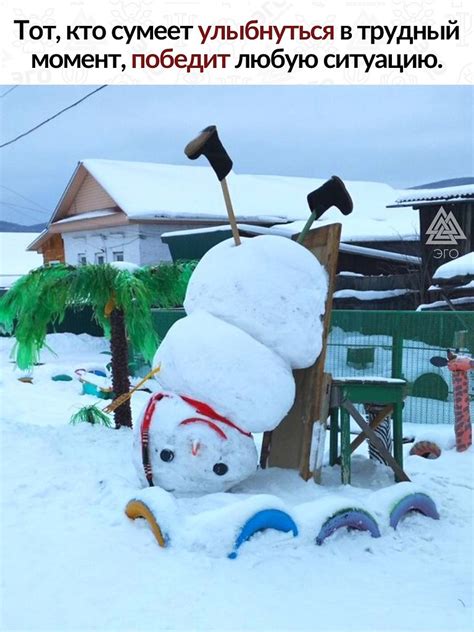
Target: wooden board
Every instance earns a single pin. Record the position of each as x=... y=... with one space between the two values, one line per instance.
x=290 y=444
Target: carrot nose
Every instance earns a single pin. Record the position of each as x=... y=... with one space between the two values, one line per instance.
x=195 y=448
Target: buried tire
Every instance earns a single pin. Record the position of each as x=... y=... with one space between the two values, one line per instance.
x=357 y=519
x=426 y=449
x=262 y=520
x=418 y=502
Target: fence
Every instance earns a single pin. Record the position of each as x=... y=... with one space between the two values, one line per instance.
x=400 y=344
x=372 y=343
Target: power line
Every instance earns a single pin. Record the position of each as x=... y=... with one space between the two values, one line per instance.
x=25 y=214
x=8 y=92
x=22 y=206
x=24 y=197
x=89 y=94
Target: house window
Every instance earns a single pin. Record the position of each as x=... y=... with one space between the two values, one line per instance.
x=118 y=255
x=81 y=259
x=99 y=258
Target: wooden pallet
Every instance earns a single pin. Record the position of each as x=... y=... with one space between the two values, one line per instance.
x=289 y=445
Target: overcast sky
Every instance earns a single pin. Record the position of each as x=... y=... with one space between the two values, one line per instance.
x=401 y=135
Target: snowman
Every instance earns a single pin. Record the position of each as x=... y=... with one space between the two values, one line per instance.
x=254 y=314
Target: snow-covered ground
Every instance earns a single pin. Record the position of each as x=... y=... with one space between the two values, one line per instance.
x=72 y=560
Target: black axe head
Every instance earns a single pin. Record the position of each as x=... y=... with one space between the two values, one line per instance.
x=331 y=193
x=208 y=144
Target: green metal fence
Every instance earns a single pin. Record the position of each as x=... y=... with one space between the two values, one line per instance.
x=400 y=344
x=372 y=343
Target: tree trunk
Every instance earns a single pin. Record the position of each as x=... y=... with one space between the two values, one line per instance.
x=120 y=379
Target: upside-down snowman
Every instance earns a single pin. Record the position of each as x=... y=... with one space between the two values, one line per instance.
x=253 y=315
x=254 y=309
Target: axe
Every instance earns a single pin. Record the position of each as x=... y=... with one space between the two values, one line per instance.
x=332 y=193
x=207 y=143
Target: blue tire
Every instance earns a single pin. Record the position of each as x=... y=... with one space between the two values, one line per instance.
x=349 y=518
x=265 y=519
x=419 y=502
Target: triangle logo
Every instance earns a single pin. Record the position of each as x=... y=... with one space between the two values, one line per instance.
x=444 y=230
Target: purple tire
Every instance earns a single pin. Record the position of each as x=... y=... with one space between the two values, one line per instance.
x=419 y=502
x=349 y=518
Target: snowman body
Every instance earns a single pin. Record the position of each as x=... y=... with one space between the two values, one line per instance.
x=254 y=315
x=185 y=447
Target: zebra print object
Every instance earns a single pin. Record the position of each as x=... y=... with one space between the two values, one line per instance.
x=383 y=431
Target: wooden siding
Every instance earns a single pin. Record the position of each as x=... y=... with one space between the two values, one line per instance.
x=53 y=249
x=90 y=197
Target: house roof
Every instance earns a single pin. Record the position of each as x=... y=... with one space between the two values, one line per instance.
x=359 y=226
x=278 y=229
x=425 y=197
x=153 y=192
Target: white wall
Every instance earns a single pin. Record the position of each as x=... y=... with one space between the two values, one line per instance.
x=152 y=249
x=104 y=241
x=140 y=243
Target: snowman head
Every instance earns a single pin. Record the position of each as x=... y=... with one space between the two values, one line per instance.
x=185 y=447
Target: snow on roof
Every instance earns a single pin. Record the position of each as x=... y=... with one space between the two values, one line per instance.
x=379 y=254
x=464 y=300
x=14 y=259
x=369 y=295
x=355 y=227
x=466 y=286
x=197 y=231
x=88 y=215
x=445 y=194
x=151 y=190
x=462 y=266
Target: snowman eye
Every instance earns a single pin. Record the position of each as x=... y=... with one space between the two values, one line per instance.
x=167 y=455
x=220 y=469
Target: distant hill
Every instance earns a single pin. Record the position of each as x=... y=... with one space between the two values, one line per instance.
x=11 y=227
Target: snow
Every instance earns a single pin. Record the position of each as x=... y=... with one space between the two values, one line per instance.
x=196 y=231
x=195 y=448
x=462 y=266
x=14 y=259
x=249 y=286
x=359 y=226
x=349 y=273
x=379 y=254
x=207 y=359
x=369 y=295
x=444 y=193
x=125 y=266
x=72 y=560
x=88 y=215
x=464 y=300
x=152 y=190
x=212 y=524
x=466 y=286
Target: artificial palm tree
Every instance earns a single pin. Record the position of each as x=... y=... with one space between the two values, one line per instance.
x=120 y=297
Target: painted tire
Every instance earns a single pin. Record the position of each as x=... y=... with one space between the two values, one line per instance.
x=426 y=449
x=349 y=518
x=419 y=502
x=265 y=519
x=138 y=509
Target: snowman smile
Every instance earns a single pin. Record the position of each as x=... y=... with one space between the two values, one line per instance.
x=208 y=422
